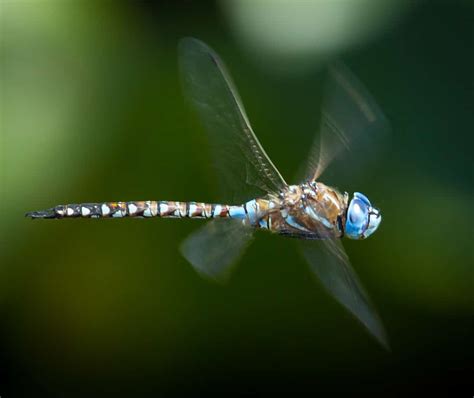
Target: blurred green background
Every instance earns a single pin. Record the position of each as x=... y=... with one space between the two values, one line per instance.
x=91 y=110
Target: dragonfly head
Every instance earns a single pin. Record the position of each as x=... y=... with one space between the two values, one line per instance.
x=362 y=219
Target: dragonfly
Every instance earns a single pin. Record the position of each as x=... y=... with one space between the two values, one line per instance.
x=256 y=195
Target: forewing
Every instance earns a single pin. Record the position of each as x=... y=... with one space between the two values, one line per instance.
x=329 y=261
x=353 y=129
x=215 y=247
x=244 y=169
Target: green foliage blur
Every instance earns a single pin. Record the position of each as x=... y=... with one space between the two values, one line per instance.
x=91 y=110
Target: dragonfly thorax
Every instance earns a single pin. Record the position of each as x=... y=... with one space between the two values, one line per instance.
x=310 y=210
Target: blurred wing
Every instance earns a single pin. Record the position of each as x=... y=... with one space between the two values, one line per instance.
x=215 y=247
x=245 y=171
x=329 y=261
x=353 y=128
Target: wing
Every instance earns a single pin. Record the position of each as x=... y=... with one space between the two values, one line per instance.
x=329 y=261
x=353 y=128
x=215 y=247
x=245 y=171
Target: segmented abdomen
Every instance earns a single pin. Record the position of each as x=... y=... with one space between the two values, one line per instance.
x=149 y=208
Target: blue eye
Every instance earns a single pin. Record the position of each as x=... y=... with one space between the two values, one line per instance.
x=357 y=216
x=358 y=212
x=359 y=222
x=362 y=197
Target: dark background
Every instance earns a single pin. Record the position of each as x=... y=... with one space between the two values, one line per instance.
x=92 y=111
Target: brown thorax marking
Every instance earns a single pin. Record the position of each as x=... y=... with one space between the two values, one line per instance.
x=310 y=208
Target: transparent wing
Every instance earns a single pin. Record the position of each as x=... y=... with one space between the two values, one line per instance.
x=329 y=261
x=353 y=129
x=215 y=247
x=245 y=171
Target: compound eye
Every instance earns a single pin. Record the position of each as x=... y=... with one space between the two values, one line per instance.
x=359 y=212
x=362 y=197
